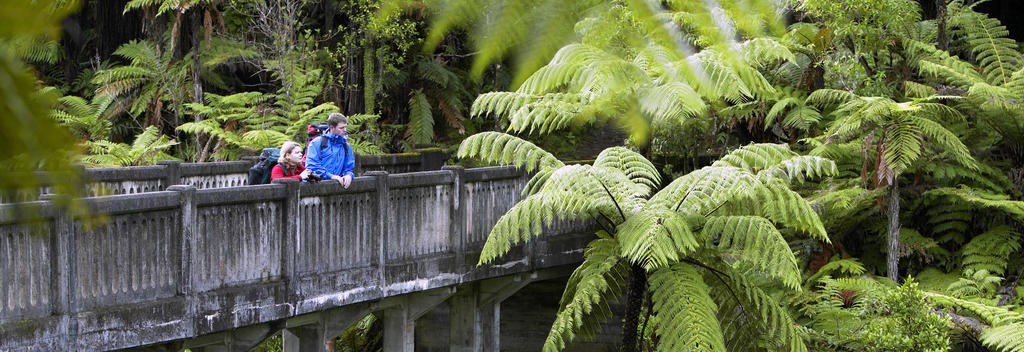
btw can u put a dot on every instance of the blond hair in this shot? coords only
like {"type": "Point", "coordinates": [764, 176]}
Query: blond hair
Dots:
{"type": "Point", "coordinates": [286, 148]}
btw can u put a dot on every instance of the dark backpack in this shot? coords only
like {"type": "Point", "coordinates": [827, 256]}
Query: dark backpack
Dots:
{"type": "Point", "coordinates": [260, 173]}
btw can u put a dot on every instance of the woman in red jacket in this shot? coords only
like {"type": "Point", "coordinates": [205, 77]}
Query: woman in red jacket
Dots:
{"type": "Point", "coordinates": [289, 165]}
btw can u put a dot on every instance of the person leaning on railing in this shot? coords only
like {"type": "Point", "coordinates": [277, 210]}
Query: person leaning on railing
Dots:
{"type": "Point", "coordinates": [289, 164]}
{"type": "Point", "coordinates": [329, 155]}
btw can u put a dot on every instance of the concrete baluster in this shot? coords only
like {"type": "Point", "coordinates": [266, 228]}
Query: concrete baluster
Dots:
{"type": "Point", "coordinates": [173, 172]}
{"type": "Point", "coordinates": [292, 228]}
{"type": "Point", "coordinates": [63, 297]}
{"type": "Point", "coordinates": [381, 226]}
{"type": "Point", "coordinates": [189, 236]}
{"type": "Point", "coordinates": [457, 231]}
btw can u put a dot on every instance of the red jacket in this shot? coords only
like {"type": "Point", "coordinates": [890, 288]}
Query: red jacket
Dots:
{"type": "Point", "coordinates": [292, 172]}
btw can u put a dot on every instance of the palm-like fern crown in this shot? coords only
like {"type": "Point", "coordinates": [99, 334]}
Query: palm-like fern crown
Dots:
{"type": "Point", "coordinates": [150, 76]}
{"type": "Point", "coordinates": [680, 233]}
{"type": "Point", "coordinates": [899, 125]}
{"type": "Point", "coordinates": [583, 84]}
{"type": "Point", "coordinates": [86, 119]}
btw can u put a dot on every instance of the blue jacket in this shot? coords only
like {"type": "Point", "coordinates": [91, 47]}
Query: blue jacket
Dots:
{"type": "Point", "coordinates": [336, 158]}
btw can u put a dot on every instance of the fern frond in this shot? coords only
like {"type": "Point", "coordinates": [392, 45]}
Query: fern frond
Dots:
{"type": "Point", "coordinates": [758, 243]}
{"type": "Point", "coordinates": [799, 168]}
{"type": "Point", "coordinates": [994, 316]}
{"type": "Point", "coordinates": [684, 313]}
{"type": "Point", "coordinates": [830, 97]}
{"type": "Point", "coordinates": [640, 170]}
{"type": "Point", "coordinates": [421, 121]}
{"type": "Point", "coordinates": [782, 205]}
{"type": "Point", "coordinates": [655, 238]}
{"type": "Point", "coordinates": [938, 63]}
{"type": "Point", "coordinates": [552, 77]}
{"type": "Point", "coordinates": [673, 101]}
{"type": "Point", "coordinates": [979, 198]}
{"type": "Point", "coordinates": [1009, 337]}
{"type": "Point", "coordinates": [36, 50]}
{"type": "Point", "coordinates": [995, 53]}
{"type": "Point", "coordinates": [849, 266]}
{"type": "Point", "coordinates": [761, 313]}
{"type": "Point", "coordinates": [990, 251]}
{"type": "Point", "coordinates": [543, 116]}
{"type": "Point", "coordinates": [702, 191]}
{"type": "Point", "coordinates": [259, 139]}
{"type": "Point", "coordinates": [916, 90]}
{"type": "Point", "coordinates": [761, 52]}
{"type": "Point", "coordinates": [501, 148]}
{"type": "Point", "coordinates": [584, 304]}
{"type": "Point", "coordinates": [756, 157]}
{"type": "Point", "coordinates": [572, 192]}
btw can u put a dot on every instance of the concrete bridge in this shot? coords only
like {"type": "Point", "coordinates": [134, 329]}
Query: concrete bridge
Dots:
{"type": "Point", "coordinates": [221, 269]}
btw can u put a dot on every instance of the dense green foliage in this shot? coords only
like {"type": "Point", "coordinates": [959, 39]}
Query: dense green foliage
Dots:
{"type": "Point", "coordinates": [757, 167]}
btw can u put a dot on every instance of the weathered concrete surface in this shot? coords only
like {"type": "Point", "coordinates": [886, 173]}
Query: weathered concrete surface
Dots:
{"type": "Point", "coordinates": [172, 268]}
{"type": "Point", "coordinates": [221, 174]}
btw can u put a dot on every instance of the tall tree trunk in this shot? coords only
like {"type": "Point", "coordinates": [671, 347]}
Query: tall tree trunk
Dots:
{"type": "Point", "coordinates": [352, 92]}
{"type": "Point", "coordinates": [197, 83]}
{"type": "Point", "coordinates": [634, 304]}
{"type": "Point", "coordinates": [940, 20]}
{"type": "Point", "coordinates": [369, 80]}
{"type": "Point", "coordinates": [113, 27]}
{"type": "Point", "coordinates": [894, 229]}
{"type": "Point", "coordinates": [71, 40]}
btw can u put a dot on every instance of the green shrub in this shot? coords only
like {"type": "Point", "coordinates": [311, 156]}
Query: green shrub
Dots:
{"type": "Point", "coordinates": [905, 323]}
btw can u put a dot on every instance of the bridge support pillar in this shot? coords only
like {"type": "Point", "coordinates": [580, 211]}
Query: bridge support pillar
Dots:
{"type": "Point", "coordinates": [400, 314]}
{"type": "Point", "coordinates": [314, 332]}
{"type": "Point", "coordinates": [475, 313]}
{"type": "Point", "coordinates": [238, 340]}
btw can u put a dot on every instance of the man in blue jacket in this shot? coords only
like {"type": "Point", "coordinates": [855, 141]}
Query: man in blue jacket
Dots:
{"type": "Point", "coordinates": [329, 155]}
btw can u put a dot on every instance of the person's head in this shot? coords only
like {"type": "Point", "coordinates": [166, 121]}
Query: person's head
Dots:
{"type": "Point", "coordinates": [337, 123]}
{"type": "Point", "coordinates": [291, 153]}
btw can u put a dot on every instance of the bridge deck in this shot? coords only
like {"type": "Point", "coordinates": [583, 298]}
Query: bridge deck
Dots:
{"type": "Point", "coordinates": [178, 264]}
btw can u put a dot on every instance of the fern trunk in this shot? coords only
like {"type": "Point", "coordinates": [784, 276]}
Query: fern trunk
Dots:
{"type": "Point", "coordinates": [894, 230]}
{"type": "Point", "coordinates": [940, 20]}
{"type": "Point", "coordinates": [634, 304]}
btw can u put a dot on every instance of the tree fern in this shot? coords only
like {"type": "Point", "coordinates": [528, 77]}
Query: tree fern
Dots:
{"type": "Point", "coordinates": [848, 266]}
{"type": "Point", "coordinates": [656, 234]}
{"type": "Point", "coordinates": [89, 120]}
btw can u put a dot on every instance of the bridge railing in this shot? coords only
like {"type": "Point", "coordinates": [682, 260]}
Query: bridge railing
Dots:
{"type": "Point", "coordinates": [186, 252]}
{"type": "Point", "coordinates": [152, 178]}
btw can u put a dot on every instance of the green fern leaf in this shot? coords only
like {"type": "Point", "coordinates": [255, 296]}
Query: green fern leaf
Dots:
{"type": "Point", "coordinates": [684, 313]}
{"type": "Point", "coordinates": [640, 170]}
{"type": "Point", "coordinates": [584, 304]}
{"type": "Point", "coordinates": [655, 238]}
{"type": "Point", "coordinates": [758, 243]}
{"type": "Point", "coordinates": [421, 121]}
